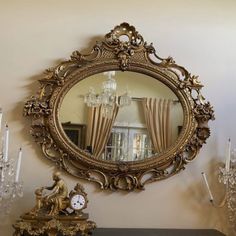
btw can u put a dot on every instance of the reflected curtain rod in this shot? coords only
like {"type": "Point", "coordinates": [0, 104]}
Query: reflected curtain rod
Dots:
{"type": "Point", "coordinates": [138, 99]}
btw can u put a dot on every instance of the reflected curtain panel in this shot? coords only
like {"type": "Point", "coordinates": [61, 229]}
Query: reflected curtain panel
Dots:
{"type": "Point", "coordinates": [99, 129]}
{"type": "Point", "coordinates": [157, 118]}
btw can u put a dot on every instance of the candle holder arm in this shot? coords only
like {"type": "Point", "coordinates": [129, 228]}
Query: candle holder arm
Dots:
{"type": "Point", "coordinates": [222, 203]}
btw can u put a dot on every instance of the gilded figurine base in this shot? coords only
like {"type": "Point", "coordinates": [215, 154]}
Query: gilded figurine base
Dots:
{"type": "Point", "coordinates": [52, 226]}
{"type": "Point", "coordinates": [53, 213]}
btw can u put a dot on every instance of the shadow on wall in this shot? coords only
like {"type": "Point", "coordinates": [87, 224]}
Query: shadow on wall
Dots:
{"type": "Point", "coordinates": [198, 196]}
{"type": "Point", "coordinates": [32, 88]}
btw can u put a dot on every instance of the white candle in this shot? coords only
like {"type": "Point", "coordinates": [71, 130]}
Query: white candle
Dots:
{"type": "Point", "coordinates": [0, 119]}
{"type": "Point", "coordinates": [207, 185]}
{"type": "Point", "coordinates": [1, 144]}
{"type": "Point", "coordinates": [6, 143]}
{"type": "Point", "coordinates": [2, 175]}
{"type": "Point", "coordinates": [227, 160]}
{"type": "Point", "coordinates": [18, 166]}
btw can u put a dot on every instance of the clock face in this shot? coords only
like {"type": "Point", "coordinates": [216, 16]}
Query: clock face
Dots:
{"type": "Point", "coordinates": [77, 202]}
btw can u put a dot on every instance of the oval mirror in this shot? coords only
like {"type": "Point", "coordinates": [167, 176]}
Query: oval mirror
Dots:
{"type": "Point", "coordinates": [120, 116]}
{"type": "Point", "coordinates": [147, 123]}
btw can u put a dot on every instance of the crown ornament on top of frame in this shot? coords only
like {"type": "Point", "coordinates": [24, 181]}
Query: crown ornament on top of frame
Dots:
{"type": "Point", "coordinates": [127, 52]}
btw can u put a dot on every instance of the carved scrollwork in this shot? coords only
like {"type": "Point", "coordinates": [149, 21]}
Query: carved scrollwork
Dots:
{"type": "Point", "coordinates": [38, 226]}
{"type": "Point", "coordinates": [37, 108]}
{"type": "Point", "coordinates": [122, 49]}
{"type": "Point", "coordinates": [204, 112]}
{"type": "Point", "coordinates": [134, 39]}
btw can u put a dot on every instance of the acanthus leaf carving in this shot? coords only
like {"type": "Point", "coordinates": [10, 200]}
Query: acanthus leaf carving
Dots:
{"type": "Point", "coordinates": [204, 112]}
{"type": "Point", "coordinates": [35, 107]}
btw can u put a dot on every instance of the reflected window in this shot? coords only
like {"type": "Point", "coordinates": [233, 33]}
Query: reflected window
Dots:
{"type": "Point", "coordinates": [128, 144]}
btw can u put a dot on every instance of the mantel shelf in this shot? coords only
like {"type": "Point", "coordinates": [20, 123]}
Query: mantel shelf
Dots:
{"type": "Point", "coordinates": [155, 232]}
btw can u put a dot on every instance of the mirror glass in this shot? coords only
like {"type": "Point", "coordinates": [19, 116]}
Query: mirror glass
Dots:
{"type": "Point", "coordinates": [140, 116]}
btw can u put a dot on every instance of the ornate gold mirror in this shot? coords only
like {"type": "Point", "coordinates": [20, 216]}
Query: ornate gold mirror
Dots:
{"type": "Point", "coordinates": [120, 116]}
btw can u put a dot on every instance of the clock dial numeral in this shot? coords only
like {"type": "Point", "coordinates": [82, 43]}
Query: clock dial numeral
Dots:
{"type": "Point", "coordinates": [78, 202]}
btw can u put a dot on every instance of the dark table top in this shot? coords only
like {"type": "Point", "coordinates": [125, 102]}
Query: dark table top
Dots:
{"type": "Point", "coordinates": [155, 232]}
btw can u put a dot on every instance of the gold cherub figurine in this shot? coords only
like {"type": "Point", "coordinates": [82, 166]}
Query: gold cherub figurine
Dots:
{"type": "Point", "coordinates": [53, 203]}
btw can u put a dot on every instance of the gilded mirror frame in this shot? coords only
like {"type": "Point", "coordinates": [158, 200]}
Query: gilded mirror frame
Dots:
{"type": "Point", "coordinates": [114, 54]}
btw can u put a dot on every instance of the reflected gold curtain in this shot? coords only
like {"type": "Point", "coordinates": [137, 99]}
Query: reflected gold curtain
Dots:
{"type": "Point", "coordinates": [99, 129]}
{"type": "Point", "coordinates": [157, 118]}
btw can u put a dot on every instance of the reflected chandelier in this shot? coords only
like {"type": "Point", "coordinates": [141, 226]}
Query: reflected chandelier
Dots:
{"type": "Point", "coordinates": [107, 99]}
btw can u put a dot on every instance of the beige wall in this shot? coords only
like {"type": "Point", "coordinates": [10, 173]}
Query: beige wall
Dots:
{"type": "Point", "coordinates": [200, 35]}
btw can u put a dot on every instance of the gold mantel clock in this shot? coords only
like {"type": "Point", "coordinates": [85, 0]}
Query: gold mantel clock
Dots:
{"type": "Point", "coordinates": [56, 212]}
{"type": "Point", "coordinates": [78, 199]}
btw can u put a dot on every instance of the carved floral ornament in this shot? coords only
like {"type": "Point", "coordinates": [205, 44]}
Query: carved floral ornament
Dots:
{"type": "Point", "coordinates": [114, 53]}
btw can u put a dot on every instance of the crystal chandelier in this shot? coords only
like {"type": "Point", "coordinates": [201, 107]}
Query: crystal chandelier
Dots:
{"type": "Point", "coordinates": [108, 98]}
{"type": "Point", "coordinates": [10, 186]}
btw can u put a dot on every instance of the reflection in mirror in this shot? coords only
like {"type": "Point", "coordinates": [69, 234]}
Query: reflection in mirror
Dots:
{"type": "Point", "coordinates": [115, 129]}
